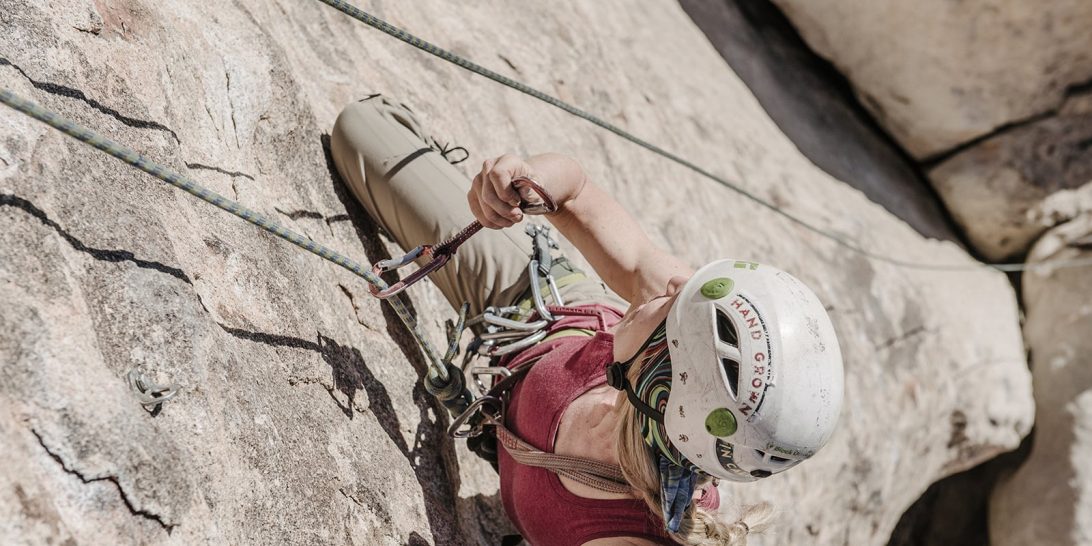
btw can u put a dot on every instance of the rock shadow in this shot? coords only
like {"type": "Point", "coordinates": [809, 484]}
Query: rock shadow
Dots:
{"type": "Point", "coordinates": [349, 372]}
{"type": "Point", "coordinates": [431, 455]}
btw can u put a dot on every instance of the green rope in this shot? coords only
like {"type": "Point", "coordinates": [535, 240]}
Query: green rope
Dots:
{"type": "Point", "coordinates": [450, 57]}
{"type": "Point", "coordinates": [131, 157]}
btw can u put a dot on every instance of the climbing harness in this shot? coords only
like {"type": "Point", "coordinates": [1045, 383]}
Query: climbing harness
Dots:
{"type": "Point", "coordinates": [441, 253]}
{"type": "Point", "coordinates": [482, 426]}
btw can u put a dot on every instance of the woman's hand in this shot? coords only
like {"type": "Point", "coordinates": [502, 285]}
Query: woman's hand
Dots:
{"type": "Point", "coordinates": [494, 200]}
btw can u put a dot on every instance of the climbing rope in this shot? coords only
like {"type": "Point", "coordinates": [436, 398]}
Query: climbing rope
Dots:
{"type": "Point", "coordinates": [379, 24]}
{"type": "Point", "coordinates": [438, 370]}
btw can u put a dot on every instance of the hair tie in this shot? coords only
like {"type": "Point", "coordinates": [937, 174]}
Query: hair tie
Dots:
{"type": "Point", "coordinates": [746, 528]}
{"type": "Point", "coordinates": [710, 498]}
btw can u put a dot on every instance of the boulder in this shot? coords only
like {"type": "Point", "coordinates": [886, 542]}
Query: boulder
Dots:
{"type": "Point", "coordinates": [1008, 189]}
{"type": "Point", "coordinates": [300, 418]}
{"type": "Point", "coordinates": [938, 74]}
{"type": "Point", "coordinates": [1049, 498]}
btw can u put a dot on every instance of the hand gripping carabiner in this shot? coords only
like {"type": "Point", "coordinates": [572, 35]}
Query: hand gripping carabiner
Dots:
{"type": "Point", "coordinates": [443, 252]}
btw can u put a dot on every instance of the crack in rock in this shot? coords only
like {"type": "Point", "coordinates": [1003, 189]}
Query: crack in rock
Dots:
{"type": "Point", "coordinates": [169, 527]}
{"type": "Point", "coordinates": [93, 30]}
{"type": "Point", "coordinates": [297, 214]}
{"type": "Point", "coordinates": [105, 255]}
{"type": "Point", "coordinates": [350, 497]}
{"type": "Point", "coordinates": [232, 174]}
{"type": "Point", "coordinates": [510, 64]}
{"type": "Point", "coordinates": [1071, 91]}
{"type": "Point", "coordinates": [273, 340]}
{"type": "Point", "coordinates": [72, 93]}
{"type": "Point", "coordinates": [901, 337]}
{"type": "Point", "coordinates": [231, 104]}
{"type": "Point", "coordinates": [356, 308]}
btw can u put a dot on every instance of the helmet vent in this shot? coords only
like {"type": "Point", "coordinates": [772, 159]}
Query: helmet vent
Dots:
{"type": "Point", "coordinates": [771, 458]}
{"type": "Point", "coordinates": [726, 331]}
{"type": "Point", "coordinates": [731, 369]}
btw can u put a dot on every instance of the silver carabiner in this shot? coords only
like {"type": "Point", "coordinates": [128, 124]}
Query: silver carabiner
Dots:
{"type": "Point", "coordinates": [514, 324]}
{"type": "Point", "coordinates": [490, 348]}
{"type": "Point", "coordinates": [491, 371]}
{"type": "Point", "coordinates": [473, 409]}
{"type": "Point", "coordinates": [150, 394]}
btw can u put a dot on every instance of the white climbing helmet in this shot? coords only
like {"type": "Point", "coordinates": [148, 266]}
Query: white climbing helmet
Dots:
{"type": "Point", "coordinates": [756, 372]}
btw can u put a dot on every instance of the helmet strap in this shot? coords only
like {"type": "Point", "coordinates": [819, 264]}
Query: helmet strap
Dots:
{"type": "Point", "coordinates": [616, 377]}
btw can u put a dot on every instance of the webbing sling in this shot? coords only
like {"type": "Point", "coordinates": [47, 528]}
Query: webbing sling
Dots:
{"type": "Point", "coordinates": [590, 472]}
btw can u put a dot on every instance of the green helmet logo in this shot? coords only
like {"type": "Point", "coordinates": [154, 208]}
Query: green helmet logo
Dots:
{"type": "Point", "coordinates": [717, 288]}
{"type": "Point", "coordinates": [720, 423]}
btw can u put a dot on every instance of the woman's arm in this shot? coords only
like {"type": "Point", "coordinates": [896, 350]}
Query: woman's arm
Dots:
{"type": "Point", "coordinates": [600, 228]}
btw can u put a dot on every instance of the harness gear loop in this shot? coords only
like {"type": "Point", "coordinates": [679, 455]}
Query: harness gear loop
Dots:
{"type": "Point", "coordinates": [441, 253]}
{"type": "Point", "coordinates": [504, 335]}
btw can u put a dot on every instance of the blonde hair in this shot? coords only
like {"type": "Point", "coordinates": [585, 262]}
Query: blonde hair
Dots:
{"type": "Point", "coordinates": [699, 527]}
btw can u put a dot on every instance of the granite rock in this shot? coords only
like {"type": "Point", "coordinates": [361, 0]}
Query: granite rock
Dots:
{"type": "Point", "coordinates": [1008, 189]}
{"type": "Point", "coordinates": [300, 417]}
{"type": "Point", "coordinates": [1049, 498]}
{"type": "Point", "coordinates": [938, 74]}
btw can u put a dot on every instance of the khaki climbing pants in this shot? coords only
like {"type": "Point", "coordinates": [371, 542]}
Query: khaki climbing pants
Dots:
{"type": "Point", "coordinates": [383, 154]}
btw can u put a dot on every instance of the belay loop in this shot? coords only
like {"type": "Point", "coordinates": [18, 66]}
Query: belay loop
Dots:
{"type": "Point", "coordinates": [442, 253]}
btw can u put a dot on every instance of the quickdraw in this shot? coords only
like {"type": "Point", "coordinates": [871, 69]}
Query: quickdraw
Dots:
{"type": "Point", "coordinates": [441, 253]}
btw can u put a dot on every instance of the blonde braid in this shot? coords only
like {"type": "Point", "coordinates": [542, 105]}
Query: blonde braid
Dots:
{"type": "Point", "coordinates": [699, 527]}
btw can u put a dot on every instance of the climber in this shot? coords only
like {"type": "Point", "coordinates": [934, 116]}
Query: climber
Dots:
{"type": "Point", "coordinates": [729, 372]}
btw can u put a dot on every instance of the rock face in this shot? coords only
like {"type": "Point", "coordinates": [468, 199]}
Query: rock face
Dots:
{"type": "Point", "coordinates": [1049, 499]}
{"type": "Point", "coordinates": [1007, 190]}
{"type": "Point", "coordinates": [300, 417]}
{"type": "Point", "coordinates": [938, 74]}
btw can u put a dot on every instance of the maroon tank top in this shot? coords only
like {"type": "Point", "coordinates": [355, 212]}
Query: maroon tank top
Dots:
{"type": "Point", "coordinates": [537, 503]}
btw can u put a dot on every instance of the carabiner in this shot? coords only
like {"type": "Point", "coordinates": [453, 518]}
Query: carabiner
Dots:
{"type": "Point", "coordinates": [475, 407]}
